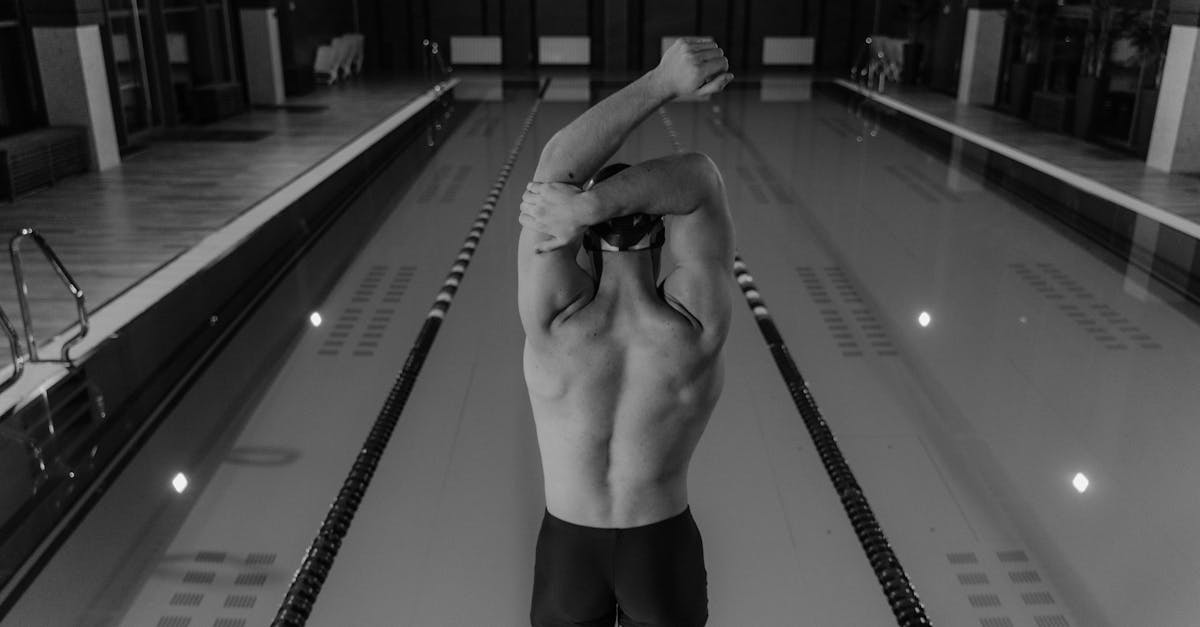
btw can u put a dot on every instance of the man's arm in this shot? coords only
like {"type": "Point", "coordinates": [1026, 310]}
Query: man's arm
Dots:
{"type": "Point", "coordinates": [693, 65]}
{"type": "Point", "coordinates": [550, 282]}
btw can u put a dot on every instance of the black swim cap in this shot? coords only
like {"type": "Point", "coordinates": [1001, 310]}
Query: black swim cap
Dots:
{"type": "Point", "coordinates": [604, 173]}
{"type": "Point", "coordinates": [626, 233]}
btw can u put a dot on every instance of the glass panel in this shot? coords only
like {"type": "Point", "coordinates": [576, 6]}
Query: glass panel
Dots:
{"type": "Point", "coordinates": [219, 42]}
{"type": "Point", "coordinates": [127, 61]}
{"type": "Point", "coordinates": [129, 30]}
{"type": "Point", "coordinates": [183, 34]}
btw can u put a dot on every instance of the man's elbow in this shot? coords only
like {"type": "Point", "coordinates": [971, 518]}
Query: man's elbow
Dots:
{"type": "Point", "coordinates": [546, 162]}
{"type": "Point", "coordinates": [707, 172]}
{"type": "Point", "coordinates": [550, 166]}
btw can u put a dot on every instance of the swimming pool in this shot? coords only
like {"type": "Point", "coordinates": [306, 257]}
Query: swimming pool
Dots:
{"type": "Point", "coordinates": [1017, 403]}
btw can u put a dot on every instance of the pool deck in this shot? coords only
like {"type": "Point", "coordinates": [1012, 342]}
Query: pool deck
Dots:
{"type": "Point", "coordinates": [115, 228]}
{"type": "Point", "coordinates": [1170, 199]}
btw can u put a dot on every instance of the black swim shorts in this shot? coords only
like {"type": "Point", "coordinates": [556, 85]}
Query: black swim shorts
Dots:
{"type": "Point", "coordinates": [649, 576]}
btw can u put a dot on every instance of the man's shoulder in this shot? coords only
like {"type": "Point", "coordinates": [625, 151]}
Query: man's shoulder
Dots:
{"type": "Point", "coordinates": [598, 324]}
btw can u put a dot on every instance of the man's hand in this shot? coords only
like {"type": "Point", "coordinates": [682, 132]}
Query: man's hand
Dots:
{"type": "Point", "coordinates": [693, 66]}
{"type": "Point", "coordinates": [559, 210]}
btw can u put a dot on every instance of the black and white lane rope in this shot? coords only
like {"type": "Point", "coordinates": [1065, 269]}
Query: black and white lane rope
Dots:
{"type": "Point", "coordinates": [897, 588]}
{"type": "Point", "coordinates": [306, 585]}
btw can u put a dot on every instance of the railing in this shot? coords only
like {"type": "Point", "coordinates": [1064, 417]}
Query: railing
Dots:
{"type": "Point", "coordinates": [437, 69]}
{"type": "Point", "coordinates": [14, 249]}
{"type": "Point", "coordinates": [14, 345]}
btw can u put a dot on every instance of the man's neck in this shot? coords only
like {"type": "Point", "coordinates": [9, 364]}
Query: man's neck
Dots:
{"type": "Point", "coordinates": [627, 274]}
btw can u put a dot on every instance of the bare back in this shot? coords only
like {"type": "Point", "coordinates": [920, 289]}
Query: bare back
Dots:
{"type": "Point", "coordinates": [621, 394]}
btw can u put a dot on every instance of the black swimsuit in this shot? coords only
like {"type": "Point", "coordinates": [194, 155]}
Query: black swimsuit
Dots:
{"type": "Point", "coordinates": [649, 576]}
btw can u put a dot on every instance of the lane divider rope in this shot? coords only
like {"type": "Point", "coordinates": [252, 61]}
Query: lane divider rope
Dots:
{"type": "Point", "coordinates": [897, 588]}
{"type": "Point", "coordinates": [306, 585]}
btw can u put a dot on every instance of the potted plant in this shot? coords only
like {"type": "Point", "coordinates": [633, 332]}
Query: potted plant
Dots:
{"type": "Point", "coordinates": [1148, 34]}
{"type": "Point", "coordinates": [1033, 20]}
{"type": "Point", "coordinates": [1109, 18]}
{"type": "Point", "coordinates": [915, 13]}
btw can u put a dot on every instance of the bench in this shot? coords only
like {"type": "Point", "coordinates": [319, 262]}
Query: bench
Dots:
{"type": "Point", "coordinates": [41, 157]}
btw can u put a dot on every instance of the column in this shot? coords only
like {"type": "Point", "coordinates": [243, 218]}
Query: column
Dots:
{"type": "Point", "coordinates": [263, 56]}
{"type": "Point", "coordinates": [1175, 141]}
{"type": "Point", "coordinates": [983, 45]}
{"type": "Point", "coordinates": [75, 86]}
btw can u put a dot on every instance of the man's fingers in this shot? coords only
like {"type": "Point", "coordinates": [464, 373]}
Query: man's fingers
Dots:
{"type": "Point", "coordinates": [552, 245]}
{"type": "Point", "coordinates": [714, 67]}
{"type": "Point", "coordinates": [708, 55]}
{"type": "Point", "coordinates": [715, 85]}
{"type": "Point", "coordinates": [530, 197]}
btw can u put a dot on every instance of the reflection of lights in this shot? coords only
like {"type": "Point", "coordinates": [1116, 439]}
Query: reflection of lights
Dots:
{"type": "Point", "coordinates": [180, 483]}
{"type": "Point", "coordinates": [315, 319]}
{"type": "Point", "coordinates": [1023, 319]}
{"type": "Point", "coordinates": [1080, 482]}
{"type": "Point", "coordinates": [924, 319]}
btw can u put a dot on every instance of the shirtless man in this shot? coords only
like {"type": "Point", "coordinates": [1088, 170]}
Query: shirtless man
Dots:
{"type": "Point", "coordinates": [623, 372]}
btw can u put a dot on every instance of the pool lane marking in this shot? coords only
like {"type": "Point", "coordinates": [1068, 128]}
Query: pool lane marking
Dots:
{"type": "Point", "coordinates": [897, 587]}
{"type": "Point", "coordinates": [306, 585]}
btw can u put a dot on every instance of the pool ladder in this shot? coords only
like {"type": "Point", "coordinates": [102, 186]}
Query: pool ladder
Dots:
{"type": "Point", "coordinates": [14, 342]}
{"type": "Point", "coordinates": [437, 69]}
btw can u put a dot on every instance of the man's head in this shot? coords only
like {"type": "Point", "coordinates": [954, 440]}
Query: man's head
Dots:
{"type": "Point", "coordinates": [627, 234]}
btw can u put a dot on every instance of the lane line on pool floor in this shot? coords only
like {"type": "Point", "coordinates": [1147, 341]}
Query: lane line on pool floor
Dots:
{"type": "Point", "coordinates": [306, 585]}
{"type": "Point", "coordinates": [897, 587]}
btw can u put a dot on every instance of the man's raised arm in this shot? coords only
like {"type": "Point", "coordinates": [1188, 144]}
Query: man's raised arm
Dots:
{"type": "Point", "coordinates": [693, 65]}
{"type": "Point", "coordinates": [549, 281]}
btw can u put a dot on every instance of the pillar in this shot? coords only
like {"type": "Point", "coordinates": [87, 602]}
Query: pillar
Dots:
{"type": "Point", "coordinates": [983, 46]}
{"type": "Point", "coordinates": [75, 85]}
{"type": "Point", "coordinates": [263, 56]}
{"type": "Point", "coordinates": [1175, 141]}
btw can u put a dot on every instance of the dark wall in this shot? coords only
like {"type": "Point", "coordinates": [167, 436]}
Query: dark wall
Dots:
{"type": "Point", "coordinates": [307, 24]}
{"type": "Point", "coordinates": [64, 12]}
{"type": "Point", "coordinates": [1185, 12]}
{"type": "Point", "coordinates": [558, 18]}
{"type": "Point", "coordinates": [626, 34]}
{"type": "Point", "coordinates": [944, 58]}
{"type": "Point", "coordinates": [20, 91]}
{"type": "Point", "coordinates": [666, 18]}
{"type": "Point", "coordinates": [842, 31]}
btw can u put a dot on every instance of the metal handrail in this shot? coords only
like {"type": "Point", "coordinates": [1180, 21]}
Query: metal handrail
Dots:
{"type": "Point", "coordinates": [445, 67]}
{"type": "Point", "coordinates": [14, 249]}
{"type": "Point", "coordinates": [14, 344]}
{"type": "Point", "coordinates": [436, 68]}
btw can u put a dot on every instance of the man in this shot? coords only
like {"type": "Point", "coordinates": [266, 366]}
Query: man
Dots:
{"type": "Point", "coordinates": [622, 373]}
